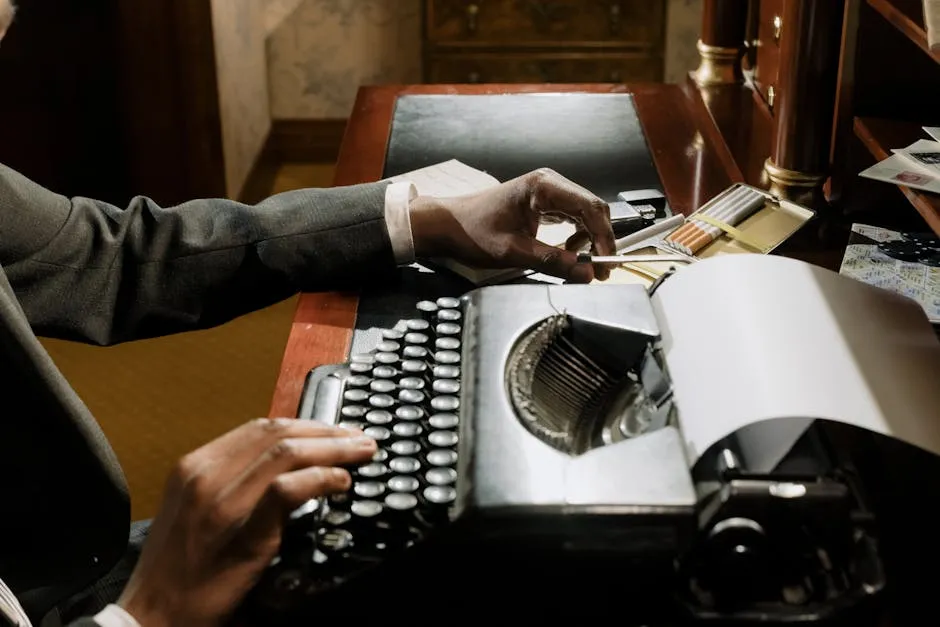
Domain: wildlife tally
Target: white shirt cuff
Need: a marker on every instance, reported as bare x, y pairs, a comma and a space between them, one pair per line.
115, 616
398, 197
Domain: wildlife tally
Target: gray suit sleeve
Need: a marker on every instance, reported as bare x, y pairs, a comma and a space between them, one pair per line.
89, 271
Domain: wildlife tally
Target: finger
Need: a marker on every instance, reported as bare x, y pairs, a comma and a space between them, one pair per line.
551, 260
577, 241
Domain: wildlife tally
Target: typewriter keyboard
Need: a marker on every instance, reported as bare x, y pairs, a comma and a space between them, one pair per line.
405, 395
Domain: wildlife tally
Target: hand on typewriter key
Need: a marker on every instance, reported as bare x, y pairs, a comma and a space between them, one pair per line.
497, 228
223, 513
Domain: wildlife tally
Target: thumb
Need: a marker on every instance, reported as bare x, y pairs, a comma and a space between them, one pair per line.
555, 262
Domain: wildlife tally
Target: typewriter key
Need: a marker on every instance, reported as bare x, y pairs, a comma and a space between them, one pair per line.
411, 397
447, 344
355, 395
447, 328
444, 371
403, 483
448, 358
350, 424
409, 412
392, 334
388, 346
446, 386
440, 476
339, 500
379, 417
401, 501
442, 457
417, 324
439, 494
386, 358
417, 339
384, 372
426, 307
377, 433
446, 302
404, 465
369, 489
443, 421
353, 411
407, 429
359, 367
405, 447
415, 352
380, 455
357, 381
310, 507
381, 401
444, 403
413, 366
362, 358
336, 540
382, 386
366, 509
373, 470
928, 240
439, 439
411, 383
336, 518
448, 315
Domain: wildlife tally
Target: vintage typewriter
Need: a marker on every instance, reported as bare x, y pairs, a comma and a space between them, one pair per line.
532, 451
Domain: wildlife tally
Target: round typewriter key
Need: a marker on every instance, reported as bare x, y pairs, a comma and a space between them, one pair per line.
905, 251
401, 501
411, 383
426, 306
444, 403
350, 424
412, 397
388, 346
384, 372
413, 366
446, 302
362, 358
442, 457
415, 352
378, 433
386, 358
409, 412
382, 386
417, 339
447, 344
405, 465
403, 483
336, 517
446, 386
366, 509
417, 324
380, 455
338, 500
447, 328
358, 381
335, 540
310, 507
438, 494
448, 358
379, 417
925, 239
355, 395
442, 371
358, 367
448, 315
369, 489
407, 429
440, 439
381, 401
392, 334
405, 447
353, 411
441, 476
443, 421
373, 470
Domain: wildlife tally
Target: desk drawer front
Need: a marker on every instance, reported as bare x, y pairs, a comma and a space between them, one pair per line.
770, 26
545, 22
547, 68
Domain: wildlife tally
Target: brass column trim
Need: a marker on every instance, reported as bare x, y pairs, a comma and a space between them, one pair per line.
802, 187
718, 66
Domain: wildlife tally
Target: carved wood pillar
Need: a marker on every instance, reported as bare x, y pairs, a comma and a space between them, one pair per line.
805, 96
721, 44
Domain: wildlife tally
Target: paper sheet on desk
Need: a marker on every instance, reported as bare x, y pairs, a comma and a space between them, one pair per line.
750, 338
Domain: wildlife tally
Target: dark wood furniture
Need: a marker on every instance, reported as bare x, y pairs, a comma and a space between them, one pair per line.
543, 41
692, 160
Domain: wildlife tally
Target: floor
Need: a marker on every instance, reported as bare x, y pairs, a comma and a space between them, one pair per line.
158, 399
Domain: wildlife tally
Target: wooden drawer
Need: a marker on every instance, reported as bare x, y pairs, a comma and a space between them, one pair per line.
768, 49
545, 22
544, 68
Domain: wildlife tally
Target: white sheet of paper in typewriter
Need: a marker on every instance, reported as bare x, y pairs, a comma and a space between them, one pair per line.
754, 338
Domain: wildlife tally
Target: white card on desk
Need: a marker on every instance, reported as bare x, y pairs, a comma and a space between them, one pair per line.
923, 154
933, 131
898, 170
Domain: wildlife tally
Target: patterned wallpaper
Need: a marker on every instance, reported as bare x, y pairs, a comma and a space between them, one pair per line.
321, 54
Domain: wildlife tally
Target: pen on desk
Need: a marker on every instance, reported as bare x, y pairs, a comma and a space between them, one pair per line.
620, 259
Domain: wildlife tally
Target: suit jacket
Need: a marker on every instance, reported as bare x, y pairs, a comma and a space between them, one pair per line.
86, 270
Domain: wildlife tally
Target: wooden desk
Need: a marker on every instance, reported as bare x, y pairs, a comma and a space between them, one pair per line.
693, 161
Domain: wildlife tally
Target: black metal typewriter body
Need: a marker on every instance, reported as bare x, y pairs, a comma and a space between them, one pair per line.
529, 458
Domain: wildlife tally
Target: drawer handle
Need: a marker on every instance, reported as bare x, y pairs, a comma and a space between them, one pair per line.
613, 15
473, 10
771, 97
778, 27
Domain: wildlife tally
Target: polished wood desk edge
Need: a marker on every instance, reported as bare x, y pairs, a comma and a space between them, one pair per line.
321, 332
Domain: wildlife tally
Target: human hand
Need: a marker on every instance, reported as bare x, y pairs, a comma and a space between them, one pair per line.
223, 513
497, 228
